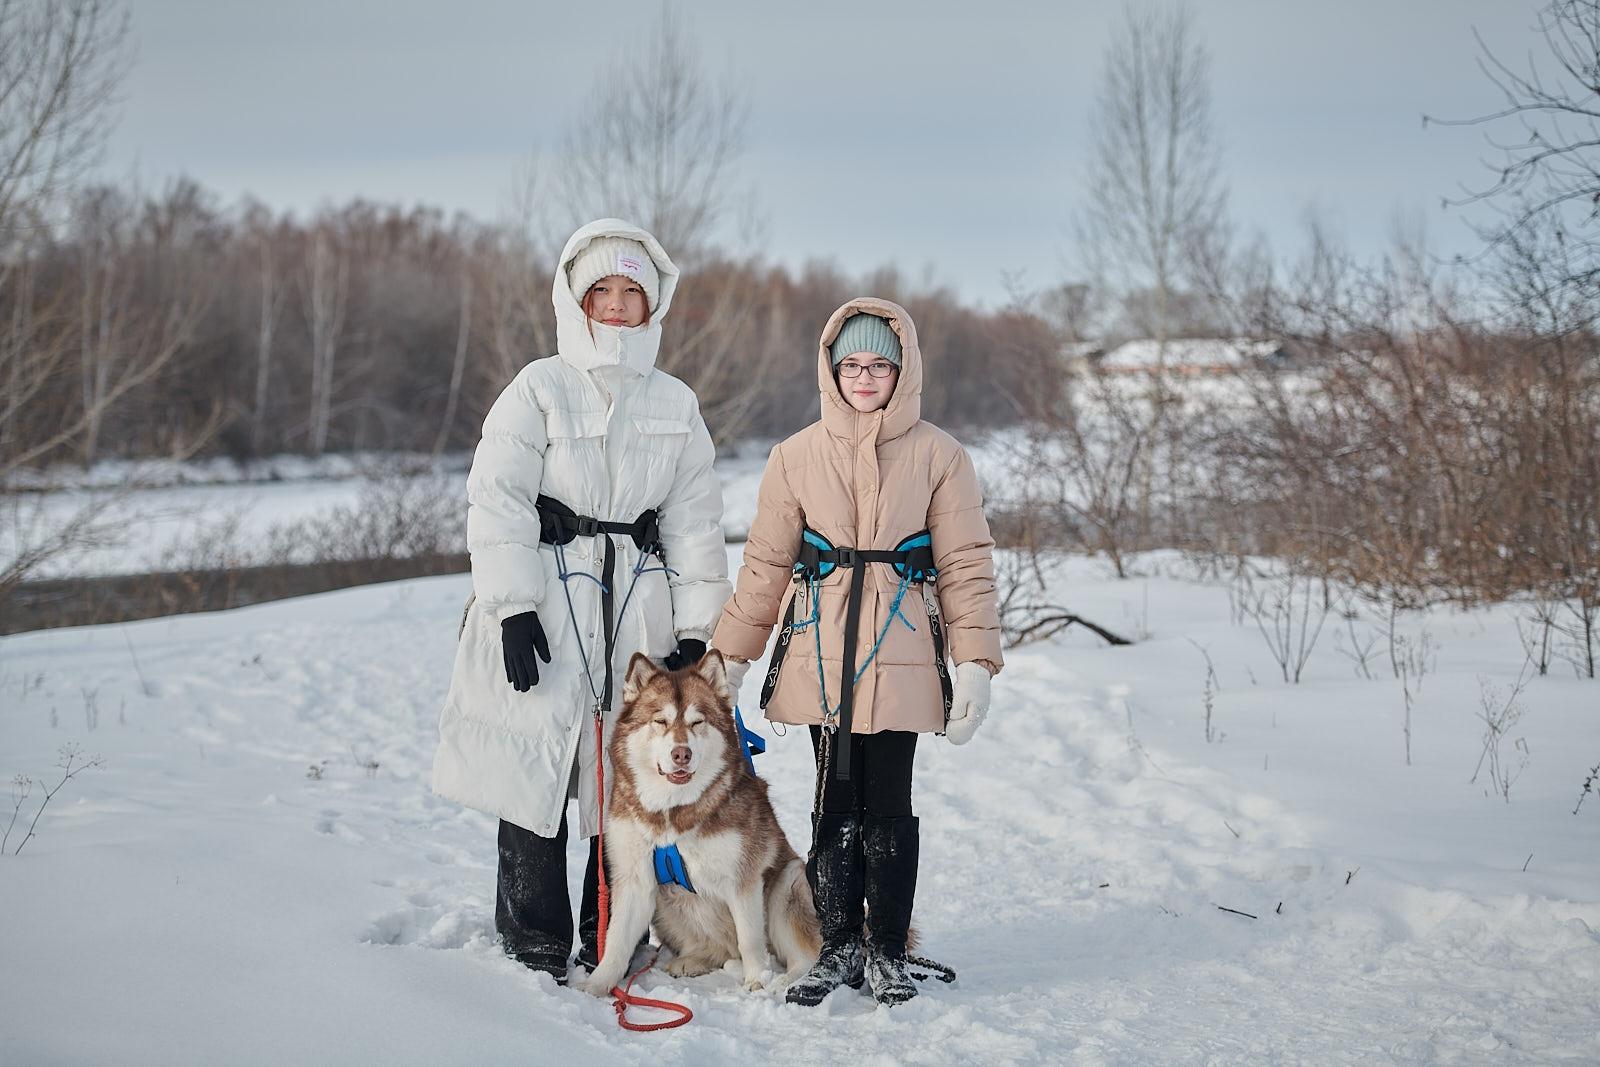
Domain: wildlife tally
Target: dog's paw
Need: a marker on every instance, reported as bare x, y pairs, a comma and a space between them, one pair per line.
593, 985
689, 967
752, 985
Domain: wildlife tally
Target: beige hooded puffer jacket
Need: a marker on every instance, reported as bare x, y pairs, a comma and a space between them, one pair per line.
868, 481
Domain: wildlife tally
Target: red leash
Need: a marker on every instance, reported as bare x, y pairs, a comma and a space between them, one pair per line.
623, 996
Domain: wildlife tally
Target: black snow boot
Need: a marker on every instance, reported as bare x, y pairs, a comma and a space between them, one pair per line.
531, 910
890, 846
589, 910
834, 870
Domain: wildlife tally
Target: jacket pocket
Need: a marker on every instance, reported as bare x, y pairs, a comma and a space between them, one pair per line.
575, 462
659, 436
570, 424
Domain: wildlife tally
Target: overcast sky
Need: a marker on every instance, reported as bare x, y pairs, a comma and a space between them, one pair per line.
926, 134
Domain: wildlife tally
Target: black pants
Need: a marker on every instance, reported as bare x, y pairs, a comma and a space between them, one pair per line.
880, 774
532, 911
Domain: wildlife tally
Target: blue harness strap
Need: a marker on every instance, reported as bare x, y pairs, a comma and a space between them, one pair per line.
751, 744
670, 869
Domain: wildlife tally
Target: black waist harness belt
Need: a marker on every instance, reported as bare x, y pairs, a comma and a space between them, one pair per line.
912, 560
560, 525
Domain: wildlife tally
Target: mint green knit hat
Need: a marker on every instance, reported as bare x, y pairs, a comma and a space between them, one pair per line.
863, 332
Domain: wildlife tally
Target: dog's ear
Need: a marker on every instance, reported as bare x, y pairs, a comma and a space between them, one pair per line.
714, 669
641, 669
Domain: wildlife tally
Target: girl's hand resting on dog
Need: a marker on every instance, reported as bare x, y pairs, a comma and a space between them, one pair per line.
970, 702
736, 670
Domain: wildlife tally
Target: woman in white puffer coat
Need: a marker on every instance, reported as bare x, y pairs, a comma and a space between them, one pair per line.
596, 448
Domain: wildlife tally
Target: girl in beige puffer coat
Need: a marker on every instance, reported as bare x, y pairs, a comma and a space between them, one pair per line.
870, 544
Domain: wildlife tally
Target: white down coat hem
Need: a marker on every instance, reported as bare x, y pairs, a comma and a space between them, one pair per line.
600, 429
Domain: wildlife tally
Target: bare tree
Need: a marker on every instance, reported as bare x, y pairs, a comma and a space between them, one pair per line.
458, 365
324, 292
1154, 190
658, 146
1548, 173
104, 298
272, 292
513, 261
61, 62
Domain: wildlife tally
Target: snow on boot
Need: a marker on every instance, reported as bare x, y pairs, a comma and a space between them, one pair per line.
839, 965
890, 847
834, 869
888, 977
532, 914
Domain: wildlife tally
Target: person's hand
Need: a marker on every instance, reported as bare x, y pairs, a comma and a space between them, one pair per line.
523, 643
736, 670
969, 703
687, 654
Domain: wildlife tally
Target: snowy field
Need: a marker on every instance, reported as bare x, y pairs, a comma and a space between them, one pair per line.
205, 514
258, 874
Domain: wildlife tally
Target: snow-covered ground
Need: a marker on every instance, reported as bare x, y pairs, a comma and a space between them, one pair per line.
215, 513
206, 897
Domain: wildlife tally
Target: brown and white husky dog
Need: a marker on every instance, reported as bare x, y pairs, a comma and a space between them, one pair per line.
679, 778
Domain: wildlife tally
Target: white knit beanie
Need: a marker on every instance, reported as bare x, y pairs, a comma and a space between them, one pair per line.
605, 256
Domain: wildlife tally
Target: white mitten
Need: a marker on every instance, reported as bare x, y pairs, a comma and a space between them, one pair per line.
970, 702
737, 669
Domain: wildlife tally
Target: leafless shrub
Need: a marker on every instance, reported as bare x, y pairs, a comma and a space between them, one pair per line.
1588, 787
1413, 661
1500, 711
71, 765
1578, 626
1026, 616
1290, 613
1076, 473
1360, 646
1208, 690
22, 785
1535, 632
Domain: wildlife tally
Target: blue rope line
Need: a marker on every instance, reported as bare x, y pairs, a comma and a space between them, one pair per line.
639, 571
572, 613
830, 712
566, 575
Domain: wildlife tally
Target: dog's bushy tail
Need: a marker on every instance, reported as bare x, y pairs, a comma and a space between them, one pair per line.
794, 931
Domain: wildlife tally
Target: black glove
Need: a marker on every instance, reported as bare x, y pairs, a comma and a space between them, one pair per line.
687, 654
520, 637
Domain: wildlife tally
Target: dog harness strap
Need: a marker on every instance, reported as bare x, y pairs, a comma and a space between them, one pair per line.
751, 744
669, 867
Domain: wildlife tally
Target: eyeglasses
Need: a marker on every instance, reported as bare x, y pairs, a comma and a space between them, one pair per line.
878, 369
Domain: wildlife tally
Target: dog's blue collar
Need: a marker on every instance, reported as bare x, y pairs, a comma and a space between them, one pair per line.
670, 869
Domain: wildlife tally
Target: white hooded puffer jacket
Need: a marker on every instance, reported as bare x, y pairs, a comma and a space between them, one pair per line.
597, 427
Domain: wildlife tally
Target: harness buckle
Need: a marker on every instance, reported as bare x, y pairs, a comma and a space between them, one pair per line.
849, 557
587, 526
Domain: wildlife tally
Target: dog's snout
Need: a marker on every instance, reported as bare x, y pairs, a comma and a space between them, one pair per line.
681, 755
